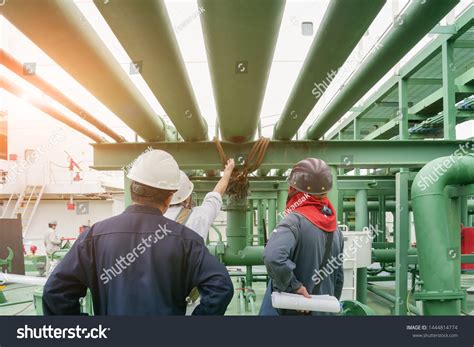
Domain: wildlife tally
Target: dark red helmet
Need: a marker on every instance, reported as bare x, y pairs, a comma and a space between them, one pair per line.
312, 176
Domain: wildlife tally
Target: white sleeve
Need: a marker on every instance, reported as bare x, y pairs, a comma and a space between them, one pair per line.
203, 216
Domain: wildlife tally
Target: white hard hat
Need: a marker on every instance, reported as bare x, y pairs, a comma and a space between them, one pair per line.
185, 189
53, 222
156, 169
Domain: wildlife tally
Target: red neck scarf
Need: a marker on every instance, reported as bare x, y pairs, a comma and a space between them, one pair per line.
311, 207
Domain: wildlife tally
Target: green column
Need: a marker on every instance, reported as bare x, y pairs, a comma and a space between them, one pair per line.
449, 90
361, 221
281, 203
333, 195
382, 223
236, 229
271, 215
402, 241
403, 108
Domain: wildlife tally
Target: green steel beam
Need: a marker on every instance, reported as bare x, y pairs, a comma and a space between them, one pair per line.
136, 23
240, 38
60, 30
383, 129
330, 48
412, 26
449, 97
403, 108
283, 155
463, 23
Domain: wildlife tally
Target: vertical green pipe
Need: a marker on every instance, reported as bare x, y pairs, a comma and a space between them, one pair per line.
271, 216
362, 221
437, 233
403, 108
333, 194
382, 224
249, 219
236, 229
402, 242
464, 210
281, 203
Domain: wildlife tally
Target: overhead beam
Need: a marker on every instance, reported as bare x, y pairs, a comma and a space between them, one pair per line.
145, 32
407, 31
62, 32
342, 27
240, 38
283, 154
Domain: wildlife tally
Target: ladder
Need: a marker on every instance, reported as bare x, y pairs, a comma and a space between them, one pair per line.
29, 197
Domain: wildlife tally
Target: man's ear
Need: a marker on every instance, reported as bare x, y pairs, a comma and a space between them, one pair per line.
167, 202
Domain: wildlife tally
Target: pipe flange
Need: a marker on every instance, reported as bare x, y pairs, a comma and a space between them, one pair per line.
426, 295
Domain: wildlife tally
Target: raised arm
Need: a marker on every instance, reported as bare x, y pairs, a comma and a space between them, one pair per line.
221, 186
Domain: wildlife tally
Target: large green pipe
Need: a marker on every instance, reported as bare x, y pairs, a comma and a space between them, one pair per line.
437, 242
420, 17
343, 25
240, 38
60, 30
145, 32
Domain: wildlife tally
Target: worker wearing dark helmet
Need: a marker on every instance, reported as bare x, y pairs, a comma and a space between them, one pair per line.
304, 239
140, 262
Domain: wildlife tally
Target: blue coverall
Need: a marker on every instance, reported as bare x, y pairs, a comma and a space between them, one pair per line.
138, 263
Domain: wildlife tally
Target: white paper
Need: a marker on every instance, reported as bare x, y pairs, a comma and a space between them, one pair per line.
317, 303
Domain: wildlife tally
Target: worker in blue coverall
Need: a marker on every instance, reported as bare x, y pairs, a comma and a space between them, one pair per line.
140, 262
295, 251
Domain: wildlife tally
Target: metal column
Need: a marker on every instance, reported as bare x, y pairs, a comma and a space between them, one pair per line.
402, 242
449, 92
362, 221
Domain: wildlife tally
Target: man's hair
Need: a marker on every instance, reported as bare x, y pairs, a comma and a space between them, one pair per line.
51, 225
147, 195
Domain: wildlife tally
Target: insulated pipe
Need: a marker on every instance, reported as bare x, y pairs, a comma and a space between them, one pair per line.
248, 256
240, 38
48, 109
342, 27
145, 32
15, 66
408, 29
62, 32
11, 278
437, 243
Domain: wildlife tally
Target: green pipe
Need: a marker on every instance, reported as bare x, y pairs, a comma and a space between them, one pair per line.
419, 18
388, 255
271, 216
391, 298
250, 255
380, 278
437, 244
135, 23
240, 38
236, 229
328, 52
60, 30
361, 221
281, 203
